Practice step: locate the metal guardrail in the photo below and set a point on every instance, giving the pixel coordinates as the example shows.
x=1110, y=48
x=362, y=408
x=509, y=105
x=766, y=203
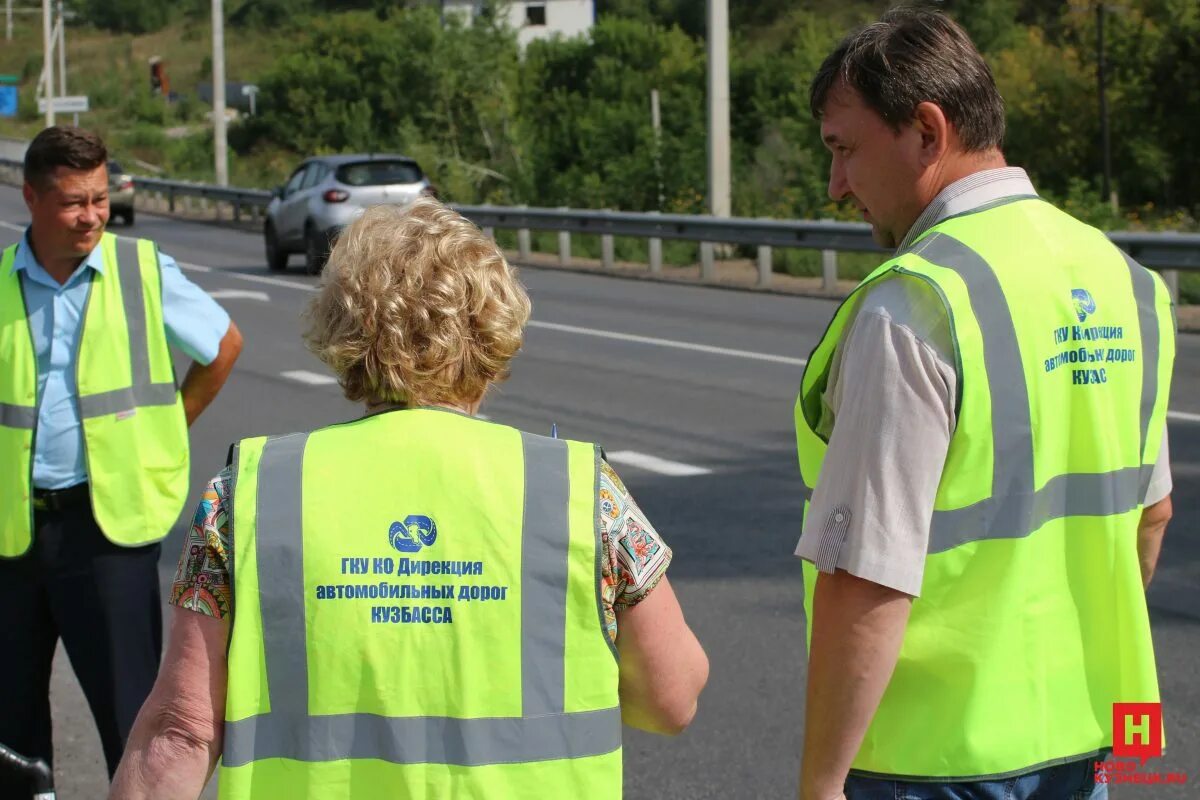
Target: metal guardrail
x=238, y=199
x=827, y=236
x=697, y=228
x=13, y=149
x=1166, y=251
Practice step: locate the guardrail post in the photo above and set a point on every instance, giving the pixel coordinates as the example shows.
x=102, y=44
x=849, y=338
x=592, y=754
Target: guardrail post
x=829, y=271
x=171, y=199
x=764, y=265
x=523, y=248
x=237, y=211
x=564, y=245
x=708, y=266
x=655, y=253
x=607, y=257
x=489, y=232
x=1171, y=278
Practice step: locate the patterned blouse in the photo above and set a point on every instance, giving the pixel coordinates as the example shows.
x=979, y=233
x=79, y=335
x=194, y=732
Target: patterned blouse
x=637, y=556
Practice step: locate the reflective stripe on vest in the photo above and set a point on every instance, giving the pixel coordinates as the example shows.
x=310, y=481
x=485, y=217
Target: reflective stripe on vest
x=142, y=391
x=23, y=417
x=1015, y=509
x=543, y=732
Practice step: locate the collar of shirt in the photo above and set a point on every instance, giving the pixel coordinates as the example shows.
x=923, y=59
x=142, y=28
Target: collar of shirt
x=969, y=194
x=26, y=260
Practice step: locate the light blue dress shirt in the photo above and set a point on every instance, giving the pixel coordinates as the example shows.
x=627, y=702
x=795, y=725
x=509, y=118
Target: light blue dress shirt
x=194, y=323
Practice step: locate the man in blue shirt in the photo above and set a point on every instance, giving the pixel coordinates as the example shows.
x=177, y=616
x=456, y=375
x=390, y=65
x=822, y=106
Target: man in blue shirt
x=74, y=575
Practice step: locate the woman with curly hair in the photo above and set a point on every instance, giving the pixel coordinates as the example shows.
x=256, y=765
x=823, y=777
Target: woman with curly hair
x=428, y=604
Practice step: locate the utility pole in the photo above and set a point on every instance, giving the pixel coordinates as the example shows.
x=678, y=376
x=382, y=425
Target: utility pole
x=656, y=124
x=718, y=126
x=1105, y=142
x=48, y=62
x=62, y=52
x=8, y=20
x=718, y=108
x=218, y=61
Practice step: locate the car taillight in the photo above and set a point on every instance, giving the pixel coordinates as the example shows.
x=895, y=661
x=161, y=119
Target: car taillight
x=126, y=185
x=335, y=196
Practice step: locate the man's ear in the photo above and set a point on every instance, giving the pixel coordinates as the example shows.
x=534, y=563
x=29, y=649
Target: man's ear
x=30, y=194
x=935, y=130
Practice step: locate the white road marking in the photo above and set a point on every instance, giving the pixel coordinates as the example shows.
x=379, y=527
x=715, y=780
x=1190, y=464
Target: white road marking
x=310, y=378
x=239, y=294
x=1183, y=416
x=699, y=348
x=252, y=278
x=11, y=227
x=554, y=326
x=662, y=466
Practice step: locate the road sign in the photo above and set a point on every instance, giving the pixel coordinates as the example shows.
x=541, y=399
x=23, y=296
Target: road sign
x=8, y=101
x=66, y=105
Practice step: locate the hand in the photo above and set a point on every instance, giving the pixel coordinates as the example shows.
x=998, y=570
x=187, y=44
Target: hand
x=815, y=796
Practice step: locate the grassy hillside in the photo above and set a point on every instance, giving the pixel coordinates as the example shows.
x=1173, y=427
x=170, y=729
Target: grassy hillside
x=113, y=70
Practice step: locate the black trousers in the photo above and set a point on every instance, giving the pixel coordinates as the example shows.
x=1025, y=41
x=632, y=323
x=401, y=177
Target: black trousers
x=103, y=600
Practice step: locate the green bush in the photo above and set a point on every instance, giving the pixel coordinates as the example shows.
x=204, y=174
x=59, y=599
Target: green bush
x=1189, y=288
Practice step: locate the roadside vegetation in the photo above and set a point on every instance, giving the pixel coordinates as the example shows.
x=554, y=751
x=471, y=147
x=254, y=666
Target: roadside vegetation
x=568, y=123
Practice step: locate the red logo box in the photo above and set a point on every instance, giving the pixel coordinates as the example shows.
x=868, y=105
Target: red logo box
x=1137, y=730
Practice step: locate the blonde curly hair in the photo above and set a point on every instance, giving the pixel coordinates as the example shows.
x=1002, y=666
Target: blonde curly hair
x=417, y=306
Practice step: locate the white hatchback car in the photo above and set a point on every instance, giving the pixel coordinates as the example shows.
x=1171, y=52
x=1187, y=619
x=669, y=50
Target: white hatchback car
x=326, y=193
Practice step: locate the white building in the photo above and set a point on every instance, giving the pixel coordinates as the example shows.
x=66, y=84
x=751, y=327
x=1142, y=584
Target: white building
x=536, y=19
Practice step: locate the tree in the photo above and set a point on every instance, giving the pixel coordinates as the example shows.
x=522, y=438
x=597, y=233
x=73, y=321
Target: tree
x=126, y=16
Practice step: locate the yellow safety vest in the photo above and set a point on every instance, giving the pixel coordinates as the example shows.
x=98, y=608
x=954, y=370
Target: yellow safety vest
x=134, y=430
x=418, y=616
x=1032, y=620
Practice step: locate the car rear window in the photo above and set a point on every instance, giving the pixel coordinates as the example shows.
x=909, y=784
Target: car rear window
x=114, y=167
x=378, y=173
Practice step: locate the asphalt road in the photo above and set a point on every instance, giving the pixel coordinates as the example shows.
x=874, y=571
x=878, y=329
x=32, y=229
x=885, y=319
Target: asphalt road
x=690, y=390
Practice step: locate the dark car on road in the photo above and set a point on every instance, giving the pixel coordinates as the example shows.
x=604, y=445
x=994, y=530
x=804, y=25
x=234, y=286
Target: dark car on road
x=327, y=193
x=120, y=193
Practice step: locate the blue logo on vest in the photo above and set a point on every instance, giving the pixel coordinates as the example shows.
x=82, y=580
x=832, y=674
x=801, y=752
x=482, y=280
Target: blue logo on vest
x=414, y=533
x=1084, y=304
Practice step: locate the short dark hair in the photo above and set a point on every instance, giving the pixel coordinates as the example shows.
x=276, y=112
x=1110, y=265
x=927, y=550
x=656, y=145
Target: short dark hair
x=62, y=146
x=911, y=56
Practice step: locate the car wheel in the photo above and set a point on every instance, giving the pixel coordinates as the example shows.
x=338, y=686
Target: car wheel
x=128, y=217
x=277, y=258
x=316, y=251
